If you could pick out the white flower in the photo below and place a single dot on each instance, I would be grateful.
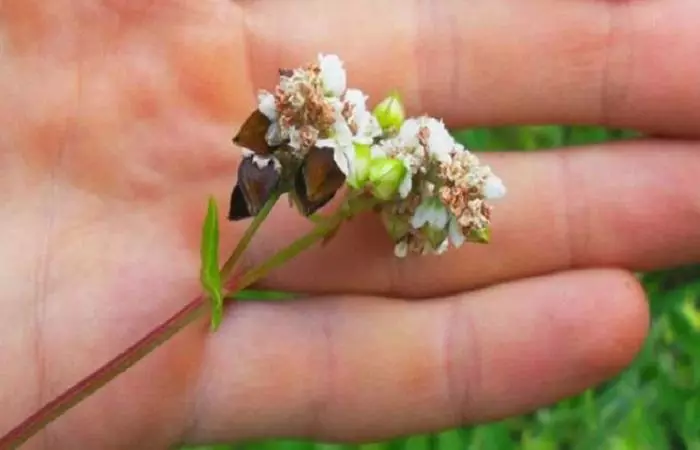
(266, 105)
(367, 125)
(401, 249)
(440, 141)
(358, 100)
(455, 232)
(432, 212)
(442, 248)
(332, 74)
(494, 187)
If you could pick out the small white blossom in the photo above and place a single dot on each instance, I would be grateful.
(358, 100)
(401, 249)
(266, 105)
(494, 188)
(333, 74)
(440, 142)
(431, 212)
(456, 233)
(407, 183)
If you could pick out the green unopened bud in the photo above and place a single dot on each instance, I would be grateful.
(434, 235)
(480, 236)
(397, 226)
(390, 113)
(359, 172)
(385, 176)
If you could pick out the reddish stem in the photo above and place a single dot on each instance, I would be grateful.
(103, 375)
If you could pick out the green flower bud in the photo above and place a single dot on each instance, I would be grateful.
(434, 235)
(480, 236)
(397, 226)
(359, 172)
(385, 176)
(390, 113)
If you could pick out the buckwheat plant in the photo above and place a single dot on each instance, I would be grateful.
(311, 138)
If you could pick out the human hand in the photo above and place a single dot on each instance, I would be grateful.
(118, 123)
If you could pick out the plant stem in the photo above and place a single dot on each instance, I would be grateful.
(230, 263)
(188, 314)
(84, 388)
(291, 251)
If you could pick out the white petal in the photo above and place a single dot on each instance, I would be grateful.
(455, 233)
(343, 157)
(266, 105)
(326, 143)
(440, 142)
(406, 184)
(332, 74)
(494, 188)
(273, 136)
(378, 152)
(409, 130)
(430, 212)
(358, 100)
(401, 249)
(262, 161)
(443, 247)
(420, 216)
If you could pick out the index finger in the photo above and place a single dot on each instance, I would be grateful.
(492, 62)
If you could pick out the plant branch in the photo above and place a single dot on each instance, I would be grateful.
(247, 237)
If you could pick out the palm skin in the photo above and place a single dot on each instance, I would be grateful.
(118, 118)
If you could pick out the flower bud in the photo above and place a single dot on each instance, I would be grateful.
(480, 236)
(385, 176)
(359, 170)
(390, 113)
(396, 226)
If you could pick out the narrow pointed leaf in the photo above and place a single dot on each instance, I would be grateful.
(209, 270)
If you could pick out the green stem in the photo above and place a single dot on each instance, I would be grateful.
(319, 232)
(230, 263)
(288, 253)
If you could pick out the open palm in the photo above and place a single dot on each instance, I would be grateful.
(117, 121)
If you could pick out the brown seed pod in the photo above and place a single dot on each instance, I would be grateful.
(317, 180)
(254, 188)
(252, 134)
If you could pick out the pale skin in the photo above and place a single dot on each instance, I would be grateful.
(117, 119)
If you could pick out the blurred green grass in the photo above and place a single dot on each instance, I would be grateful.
(653, 405)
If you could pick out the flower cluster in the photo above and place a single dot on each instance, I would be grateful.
(312, 135)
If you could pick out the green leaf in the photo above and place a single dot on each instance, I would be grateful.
(209, 275)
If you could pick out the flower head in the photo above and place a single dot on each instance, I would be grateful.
(311, 135)
(310, 109)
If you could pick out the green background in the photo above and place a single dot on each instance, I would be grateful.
(654, 404)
